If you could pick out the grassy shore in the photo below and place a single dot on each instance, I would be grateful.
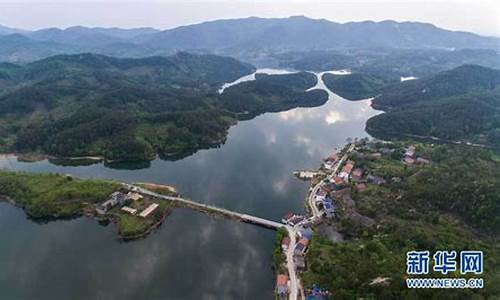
(53, 195)
(56, 196)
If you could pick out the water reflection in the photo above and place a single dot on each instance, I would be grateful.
(192, 256)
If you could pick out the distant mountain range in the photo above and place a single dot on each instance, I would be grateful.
(246, 39)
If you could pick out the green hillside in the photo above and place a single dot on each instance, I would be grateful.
(450, 204)
(354, 86)
(270, 93)
(133, 109)
(460, 104)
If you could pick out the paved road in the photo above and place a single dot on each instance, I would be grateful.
(314, 209)
(294, 281)
(295, 285)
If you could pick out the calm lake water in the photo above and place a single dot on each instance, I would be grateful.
(192, 256)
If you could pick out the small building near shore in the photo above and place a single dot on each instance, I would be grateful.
(285, 243)
(282, 286)
(301, 247)
(146, 212)
(306, 233)
(114, 199)
(130, 210)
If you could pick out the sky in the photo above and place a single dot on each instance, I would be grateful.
(479, 16)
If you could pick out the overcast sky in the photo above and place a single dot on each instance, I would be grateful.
(479, 16)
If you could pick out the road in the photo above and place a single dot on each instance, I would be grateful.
(294, 282)
(295, 285)
(316, 214)
(292, 232)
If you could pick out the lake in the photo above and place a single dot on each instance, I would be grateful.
(191, 256)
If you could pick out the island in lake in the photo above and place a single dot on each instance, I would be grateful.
(47, 197)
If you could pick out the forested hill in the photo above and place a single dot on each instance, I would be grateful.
(459, 104)
(181, 69)
(271, 93)
(454, 82)
(129, 109)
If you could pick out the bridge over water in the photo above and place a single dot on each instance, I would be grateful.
(211, 209)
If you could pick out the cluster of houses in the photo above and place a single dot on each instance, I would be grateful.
(123, 199)
(324, 201)
(293, 219)
(331, 161)
(304, 236)
(410, 158)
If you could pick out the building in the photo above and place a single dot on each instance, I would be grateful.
(295, 220)
(287, 217)
(410, 151)
(328, 165)
(338, 181)
(114, 199)
(408, 160)
(321, 192)
(134, 196)
(422, 161)
(292, 219)
(329, 209)
(306, 233)
(119, 197)
(301, 247)
(327, 187)
(346, 170)
(357, 174)
(130, 210)
(330, 161)
(145, 213)
(282, 286)
(285, 243)
(334, 157)
(300, 263)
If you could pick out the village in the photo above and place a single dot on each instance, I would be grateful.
(137, 210)
(329, 198)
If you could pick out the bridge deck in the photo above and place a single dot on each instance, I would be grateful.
(210, 208)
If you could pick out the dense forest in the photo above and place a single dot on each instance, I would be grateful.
(356, 86)
(460, 104)
(388, 64)
(271, 93)
(133, 109)
(451, 204)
